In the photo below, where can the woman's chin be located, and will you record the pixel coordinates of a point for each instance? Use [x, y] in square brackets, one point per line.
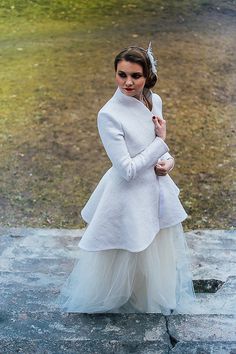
[128, 92]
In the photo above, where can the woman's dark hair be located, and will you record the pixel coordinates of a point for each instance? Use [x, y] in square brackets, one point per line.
[139, 56]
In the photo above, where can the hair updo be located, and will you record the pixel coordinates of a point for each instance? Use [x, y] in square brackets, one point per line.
[139, 56]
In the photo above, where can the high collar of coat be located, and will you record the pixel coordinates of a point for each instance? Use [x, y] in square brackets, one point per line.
[129, 100]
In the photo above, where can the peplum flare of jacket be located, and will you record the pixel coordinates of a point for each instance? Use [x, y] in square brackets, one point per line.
[130, 203]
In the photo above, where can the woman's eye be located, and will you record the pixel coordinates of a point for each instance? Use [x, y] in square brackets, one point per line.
[136, 76]
[123, 75]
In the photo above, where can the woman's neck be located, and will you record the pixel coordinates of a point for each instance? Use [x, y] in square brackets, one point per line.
[146, 99]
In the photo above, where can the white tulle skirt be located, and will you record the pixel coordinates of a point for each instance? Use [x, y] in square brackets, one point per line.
[155, 280]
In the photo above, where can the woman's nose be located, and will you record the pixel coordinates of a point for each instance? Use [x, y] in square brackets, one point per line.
[129, 81]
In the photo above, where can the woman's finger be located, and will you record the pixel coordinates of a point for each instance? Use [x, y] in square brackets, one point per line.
[156, 123]
[161, 169]
[161, 121]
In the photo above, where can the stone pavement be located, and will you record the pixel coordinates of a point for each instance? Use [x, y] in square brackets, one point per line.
[35, 262]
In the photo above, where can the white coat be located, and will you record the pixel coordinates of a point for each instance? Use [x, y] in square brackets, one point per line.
[130, 203]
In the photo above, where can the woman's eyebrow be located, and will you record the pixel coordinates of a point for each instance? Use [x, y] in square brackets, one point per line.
[132, 73]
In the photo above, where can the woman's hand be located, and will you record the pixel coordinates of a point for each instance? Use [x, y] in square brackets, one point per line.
[164, 166]
[160, 127]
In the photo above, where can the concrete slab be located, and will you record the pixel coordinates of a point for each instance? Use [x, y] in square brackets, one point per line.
[33, 280]
[46, 346]
[37, 245]
[139, 332]
[222, 302]
[34, 231]
[34, 300]
[229, 287]
[213, 253]
[204, 348]
[202, 328]
[34, 264]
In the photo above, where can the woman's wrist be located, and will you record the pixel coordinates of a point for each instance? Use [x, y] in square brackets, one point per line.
[161, 137]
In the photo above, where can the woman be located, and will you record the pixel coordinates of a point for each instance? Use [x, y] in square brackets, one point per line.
[133, 256]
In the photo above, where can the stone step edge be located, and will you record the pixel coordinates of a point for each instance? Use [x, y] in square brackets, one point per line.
[21, 231]
[31, 231]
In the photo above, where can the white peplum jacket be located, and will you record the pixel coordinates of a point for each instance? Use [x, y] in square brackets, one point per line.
[130, 203]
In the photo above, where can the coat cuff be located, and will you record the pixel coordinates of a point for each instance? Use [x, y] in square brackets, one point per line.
[155, 150]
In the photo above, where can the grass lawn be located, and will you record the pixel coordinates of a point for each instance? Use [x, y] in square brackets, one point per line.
[56, 71]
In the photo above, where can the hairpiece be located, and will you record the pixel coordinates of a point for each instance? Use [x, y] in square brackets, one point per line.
[152, 59]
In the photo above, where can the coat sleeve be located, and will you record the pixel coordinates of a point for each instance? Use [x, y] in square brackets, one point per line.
[158, 100]
[166, 156]
[113, 140]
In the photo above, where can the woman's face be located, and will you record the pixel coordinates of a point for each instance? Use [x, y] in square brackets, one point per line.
[130, 79]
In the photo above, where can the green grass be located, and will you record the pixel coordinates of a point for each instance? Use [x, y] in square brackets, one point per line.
[80, 9]
[56, 72]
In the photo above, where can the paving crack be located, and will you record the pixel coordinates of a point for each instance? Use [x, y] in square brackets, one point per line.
[173, 340]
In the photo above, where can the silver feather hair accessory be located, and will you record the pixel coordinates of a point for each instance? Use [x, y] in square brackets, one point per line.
[152, 59]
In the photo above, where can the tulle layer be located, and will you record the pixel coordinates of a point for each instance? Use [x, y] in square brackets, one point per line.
[155, 280]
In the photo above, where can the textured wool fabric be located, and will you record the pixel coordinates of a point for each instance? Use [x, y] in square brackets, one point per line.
[130, 203]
